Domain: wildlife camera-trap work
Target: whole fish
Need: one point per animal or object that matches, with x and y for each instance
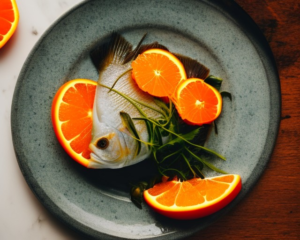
(112, 144)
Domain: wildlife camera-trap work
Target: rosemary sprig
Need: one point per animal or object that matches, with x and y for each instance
(155, 122)
(179, 155)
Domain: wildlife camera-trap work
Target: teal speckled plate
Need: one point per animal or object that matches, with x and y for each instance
(217, 33)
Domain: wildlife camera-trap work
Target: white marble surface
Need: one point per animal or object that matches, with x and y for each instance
(22, 217)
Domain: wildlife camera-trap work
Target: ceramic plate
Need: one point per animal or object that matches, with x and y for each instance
(217, 33)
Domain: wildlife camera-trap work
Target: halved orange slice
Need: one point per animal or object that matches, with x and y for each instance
(157, 72)
(194, 198)
(9, 18)
(72, 109)
(197, 102)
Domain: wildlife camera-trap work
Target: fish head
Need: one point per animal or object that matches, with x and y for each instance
(108, 147)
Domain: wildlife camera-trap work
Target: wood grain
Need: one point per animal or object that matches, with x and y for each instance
(271, 210)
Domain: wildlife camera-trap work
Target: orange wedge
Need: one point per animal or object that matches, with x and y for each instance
(72, 109)
(9, 18)
(194, 198)
(157, 72)
(197, 102)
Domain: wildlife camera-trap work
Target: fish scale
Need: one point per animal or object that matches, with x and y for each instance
(112, 145)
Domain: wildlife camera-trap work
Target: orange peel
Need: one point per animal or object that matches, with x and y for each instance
(9, 19)
(194, 198)
(71, 115)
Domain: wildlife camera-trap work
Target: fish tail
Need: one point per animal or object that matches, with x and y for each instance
(193, 68)
(114, 50)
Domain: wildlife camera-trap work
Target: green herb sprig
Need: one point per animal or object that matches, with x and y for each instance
(176, 147)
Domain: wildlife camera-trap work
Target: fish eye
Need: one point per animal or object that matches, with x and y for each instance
(102, 143)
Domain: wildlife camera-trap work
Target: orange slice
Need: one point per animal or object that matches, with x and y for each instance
(197, 102)
(72, 109)
(9, 18)
(157, 72)
(194, 198)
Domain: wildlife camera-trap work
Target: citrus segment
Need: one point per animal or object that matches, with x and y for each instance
(73, 127)
(72, 117)
(194, 198)
(9, 18)
(197, 102)
(168, 197)
(160, 188)
(157, 72)
(187, 189)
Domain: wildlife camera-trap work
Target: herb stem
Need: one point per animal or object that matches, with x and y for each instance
(170, 155)
(148, 106)
(192, 144)
(134, 101)
(118, 78)
(175, 170)
(205, 162)
(127, 98)
(189, 165)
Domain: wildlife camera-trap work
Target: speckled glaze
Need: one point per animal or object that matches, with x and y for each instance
(218, 34)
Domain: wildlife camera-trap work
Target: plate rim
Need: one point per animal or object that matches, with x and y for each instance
(257, 38)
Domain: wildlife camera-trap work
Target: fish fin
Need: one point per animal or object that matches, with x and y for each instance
(133, 54)
(128, 123)
(142, 48)
(193, 68)
(146, 47)
(115, 49)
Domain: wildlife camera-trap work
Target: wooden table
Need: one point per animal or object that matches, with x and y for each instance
(272, 209)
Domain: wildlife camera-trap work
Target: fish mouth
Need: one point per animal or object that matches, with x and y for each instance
(97, 162)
